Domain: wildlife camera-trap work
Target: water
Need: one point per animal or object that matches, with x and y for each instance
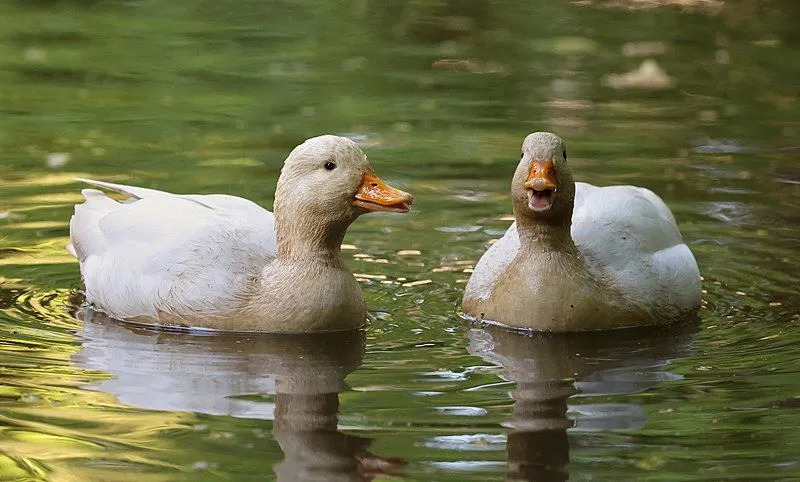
(210, 97)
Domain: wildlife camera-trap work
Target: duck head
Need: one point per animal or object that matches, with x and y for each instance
(328, 178)
(543, 189)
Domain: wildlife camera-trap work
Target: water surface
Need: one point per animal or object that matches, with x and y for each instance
(210, 97)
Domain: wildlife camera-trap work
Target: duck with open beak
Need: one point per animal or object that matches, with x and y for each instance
(375, 195)
(541, 185)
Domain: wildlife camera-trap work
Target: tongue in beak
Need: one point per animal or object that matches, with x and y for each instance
(375, 195)
(541, 185)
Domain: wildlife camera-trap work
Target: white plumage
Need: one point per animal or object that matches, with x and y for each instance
(161, 252)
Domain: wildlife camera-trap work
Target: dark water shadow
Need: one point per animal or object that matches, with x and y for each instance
(551, 370)
(230, 374)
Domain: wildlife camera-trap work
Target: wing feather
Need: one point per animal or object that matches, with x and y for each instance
(183, 255)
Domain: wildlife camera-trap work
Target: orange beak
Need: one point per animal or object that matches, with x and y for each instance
(375, 195)
(542, 176)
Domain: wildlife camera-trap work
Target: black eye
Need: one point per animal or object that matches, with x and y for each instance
(330, 165)
(521, 156)
(565, 155)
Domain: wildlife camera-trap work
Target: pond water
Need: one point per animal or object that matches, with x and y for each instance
(210, 97)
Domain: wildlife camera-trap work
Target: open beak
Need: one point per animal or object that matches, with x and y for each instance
(541, 185)
(375, 195)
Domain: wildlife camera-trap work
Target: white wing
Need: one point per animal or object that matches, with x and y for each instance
(627, 235)
(630, 235)
(160, 252)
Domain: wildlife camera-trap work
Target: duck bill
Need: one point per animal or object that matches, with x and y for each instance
(375, 195)
(541, 185)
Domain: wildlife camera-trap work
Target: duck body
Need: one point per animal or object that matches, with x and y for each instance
(222, 262)
(615, 258)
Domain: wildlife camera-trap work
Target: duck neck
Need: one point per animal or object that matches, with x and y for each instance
(545, 236)
(301, 239)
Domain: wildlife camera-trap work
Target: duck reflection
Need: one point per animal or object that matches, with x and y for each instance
(212, 374)
(550, 369)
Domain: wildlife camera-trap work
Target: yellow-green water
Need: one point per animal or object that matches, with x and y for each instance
(211, 96)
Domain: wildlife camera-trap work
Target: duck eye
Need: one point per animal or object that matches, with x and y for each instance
(565, 155)
(521, 156)
(330, 165)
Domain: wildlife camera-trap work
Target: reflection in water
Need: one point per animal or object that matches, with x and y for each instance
(212, 374)
(549, 369)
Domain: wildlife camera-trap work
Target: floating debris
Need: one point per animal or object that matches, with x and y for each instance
(649, 75)
(58, 159)
(201, 465)
(769, 42)
(417, 283)
(349, 247)
(370, 276)
(409, 252)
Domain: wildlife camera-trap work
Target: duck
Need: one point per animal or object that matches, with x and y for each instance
(221, 262)
(580, 257)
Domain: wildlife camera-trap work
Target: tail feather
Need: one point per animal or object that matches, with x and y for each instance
(135, 193)
(132, 191)
(86, 236)
(84, 225)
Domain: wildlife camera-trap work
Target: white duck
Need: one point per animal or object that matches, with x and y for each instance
(581, 257)
(223, 262)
